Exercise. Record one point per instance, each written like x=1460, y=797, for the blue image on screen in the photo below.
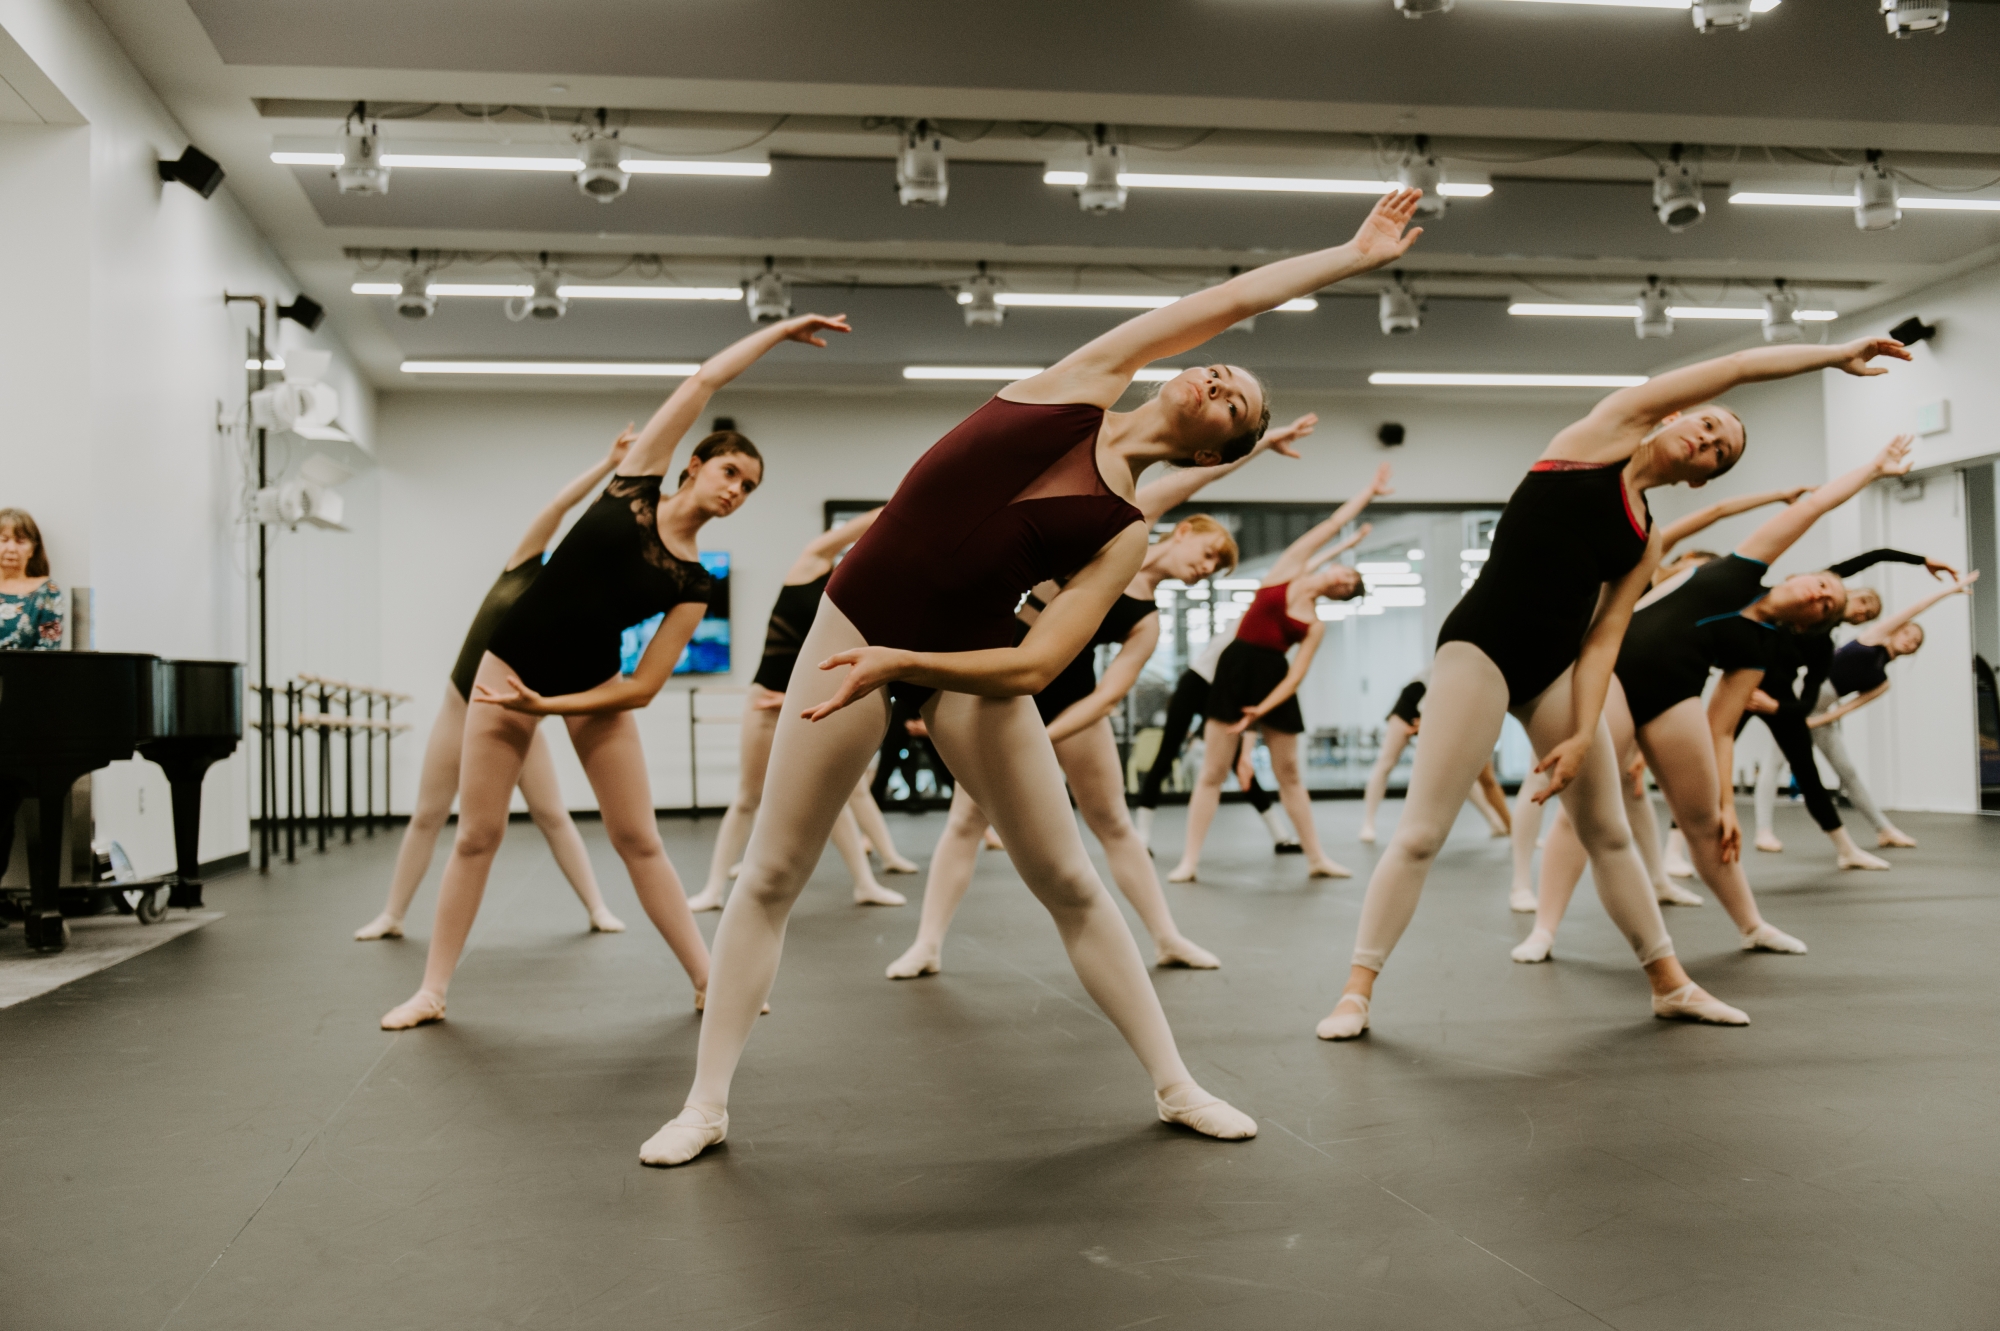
x=707, y=653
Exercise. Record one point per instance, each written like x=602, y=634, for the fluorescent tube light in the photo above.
x=1427, y=379
x=1003, y=373
x=447, y=289
x=568, y=292
x=616, y=369
x=1264, y=184
x=1678, y=312
x=641, y=166
x=1069, y=300
x=648, y=166
x=1847, y=201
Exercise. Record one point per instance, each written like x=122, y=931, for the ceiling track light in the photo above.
x=1421, y=8
x=1876, y=205
x=1400, y=311
x=922, y=179
x=602, y=176
x=1420, y=170
x=362, y=170
x=1781, y=316
x=1720, y=15
x=1677, y=198
x=1101, y=191
x=413, y=298
x=1907, y=18
x=544, y=300
x=768, y=296
x=1653, y=317
x=982, y=301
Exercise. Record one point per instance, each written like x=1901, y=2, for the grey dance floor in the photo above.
x=215, y=1135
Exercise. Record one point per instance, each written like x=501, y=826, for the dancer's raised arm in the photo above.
x=543, y=529
x=1703, y=518
x=1294, y=560
x=1777, y=535
x=1617, y=425
x=1882, y=630
x=817, y=557
x=653, y=452
x=1100, y=370
x=1340, y=547
x=1158, y=498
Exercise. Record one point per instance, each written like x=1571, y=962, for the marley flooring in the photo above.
x=215, y=1135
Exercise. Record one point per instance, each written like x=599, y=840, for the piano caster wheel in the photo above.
x=151, y=906
x=47, y=931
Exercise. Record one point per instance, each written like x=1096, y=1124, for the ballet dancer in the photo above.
x=1255, y=684
x=1719, y=616
x=791, y=617
x=1076, y=707
x=1786, y=700
x=437, y=786
x=1036, y=484
x=1399, y=727
x=631, y=555
x=1538, y=634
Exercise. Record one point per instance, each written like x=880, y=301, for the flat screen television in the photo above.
x=707, y=653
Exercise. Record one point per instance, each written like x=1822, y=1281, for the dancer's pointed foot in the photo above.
x=1142, y=823
x=1326, y=868
x=872, y=893
x=1368, y=833
x=603, y=921
x=1535, y=947
x=893, y=863
x=1521, y=899
x=1348, y=1019
x=1184, y=872
x=1670, y=893
x=685, y=1136
x=1768, y=843
x=709, y=898
x=1185, y=952
x=1192, y=1107
x=384, y=925
x=1691, y=1002
x=1858, y=858
x=1770, y=938
x=921, y=959
x=419, y=1009
x=1676, y=860
x=1896, y=837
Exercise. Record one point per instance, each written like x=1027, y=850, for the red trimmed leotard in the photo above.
x=1266, y=624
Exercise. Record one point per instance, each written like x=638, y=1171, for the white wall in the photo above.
x=117, y=362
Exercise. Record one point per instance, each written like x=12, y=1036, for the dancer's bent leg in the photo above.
x=1830, y=742
x=1189, y=697
x=1218, y=758
x=543, y=794
x=1527, y=830
x=1766, y=792
x=847, y=840
x=1090, y=760
x=1563, y=863
x=753, y=758
x=1396, y=734
x=436, y=787
x=1286, y=766
x=952, y=865
x=875, y=827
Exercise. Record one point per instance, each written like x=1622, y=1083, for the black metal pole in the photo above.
x=347, y=768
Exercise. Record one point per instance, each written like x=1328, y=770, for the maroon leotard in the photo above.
x=1267, y=624
x=1009, y=498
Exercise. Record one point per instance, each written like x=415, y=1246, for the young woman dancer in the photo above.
x=632, y=554
x=1785, y=702
x=1036, y=484
x=1255, y=684
x=1399, y=727
x=438, y=784
x=1719, y=616
x=791, y=617
x=1538, y=634
x=1076, y=707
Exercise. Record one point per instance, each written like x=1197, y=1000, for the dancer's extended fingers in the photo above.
x=1562, y=763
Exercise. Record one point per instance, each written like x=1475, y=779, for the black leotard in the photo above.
x=506, y=590
x=1079, y=677
x=1408, y=701
x=1674, y=642
x=791, y=619
x=612, y=571
x=1858, y=667
x=1568, y=529
x=1010, y=498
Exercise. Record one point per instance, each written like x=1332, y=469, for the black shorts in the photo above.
x=774, y=672
x=1407, y=702
x=1244, y=677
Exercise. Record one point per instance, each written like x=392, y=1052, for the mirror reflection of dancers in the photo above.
x=1538, y=634
x=1399, y=727
x=791, y=617
x=631, y=555
x=1718, y=616
x=1036, y=484
x=1076, y=707
x=1256, y=684
x=1787, y=701
x=438, y=784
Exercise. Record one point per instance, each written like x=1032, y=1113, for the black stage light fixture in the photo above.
x=306, y=312
x=1912, y=331
x=195, y=169
x=721, y=423
x=1391, y=434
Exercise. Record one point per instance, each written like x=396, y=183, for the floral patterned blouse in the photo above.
x=32, y=622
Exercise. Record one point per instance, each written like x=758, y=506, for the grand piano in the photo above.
x=63, y=714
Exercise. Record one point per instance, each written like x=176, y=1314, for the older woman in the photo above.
x=31, y=618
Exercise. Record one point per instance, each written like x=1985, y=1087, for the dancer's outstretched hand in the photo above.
x=1855, y=355
x=1250, y=715
x=1895, y=459
x=514, y=696
x=808, y=327
x=1381, y=239
x=1937, y=568
x=1762, y=703
x=1562, y=763
x=869, y=668
x=1730, y=835
x=1281, y=439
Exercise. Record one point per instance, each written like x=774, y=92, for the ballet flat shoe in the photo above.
x=1210, y=1116
x=1338, y=1025
x=1689, y=1003
x=683, y=1137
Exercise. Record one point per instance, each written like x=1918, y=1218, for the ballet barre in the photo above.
x=696, y=720
x=310, y=707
